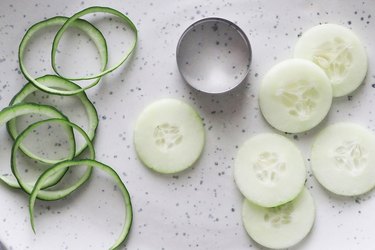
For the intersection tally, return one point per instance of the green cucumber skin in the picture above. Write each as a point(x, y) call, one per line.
point(79, 23)
point(94, 9)
point(93, 164)
point(45, 194)
point(196, 116)
point(10, 113)
point(57, 81)
point(37, 190)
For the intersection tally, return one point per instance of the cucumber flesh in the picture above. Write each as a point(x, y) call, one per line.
point(295, 95)
point(283, 226)
point(339, 52)
point(343, 159)
point(269, 170)
point(93, 164)
point(169, 136)
point(63, 84)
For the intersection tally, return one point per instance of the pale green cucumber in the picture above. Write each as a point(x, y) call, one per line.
point(283, 226)
point(339, 52)
point(169, 136)
point(295, 95)
point(343, 159)
point(269, 170)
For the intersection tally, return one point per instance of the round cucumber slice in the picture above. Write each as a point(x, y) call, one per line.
point(169, 136)
point(343, 159)
point(295, 95)
point(269, 170)
point(339, 52)
point(282, 226)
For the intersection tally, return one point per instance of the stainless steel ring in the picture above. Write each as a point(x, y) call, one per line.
point(213, 55)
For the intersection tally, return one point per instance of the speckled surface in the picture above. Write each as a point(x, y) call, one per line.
point(201, 207)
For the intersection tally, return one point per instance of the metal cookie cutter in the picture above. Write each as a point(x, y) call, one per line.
point(213, 55)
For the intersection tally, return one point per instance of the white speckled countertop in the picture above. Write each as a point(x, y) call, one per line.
point(199, 208)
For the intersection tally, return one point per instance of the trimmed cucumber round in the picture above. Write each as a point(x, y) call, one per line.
point(169, 136)
point(282, 226)
point(269, 170)
point(93, 164)
point(339, 52)
point(87, 27)
point(58, 83)
point(295, 95)
point(343, 159)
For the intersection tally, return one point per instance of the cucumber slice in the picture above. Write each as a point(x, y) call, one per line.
point(339, 52)
point(269, 170)
point(58, 83)
point(87, 27)
point(283, 226)
point(50, 195)
point(343, 159)
point(63, 165)
point(169, 136)
point(295, 95)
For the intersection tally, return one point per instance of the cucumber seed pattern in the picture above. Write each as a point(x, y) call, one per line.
point(280, 215)
point(268, 167)
point(300, 98)
point(350, 156)
point(167, 136)
point(335, 58)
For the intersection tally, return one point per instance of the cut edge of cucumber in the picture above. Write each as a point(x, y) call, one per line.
point(350, 190)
